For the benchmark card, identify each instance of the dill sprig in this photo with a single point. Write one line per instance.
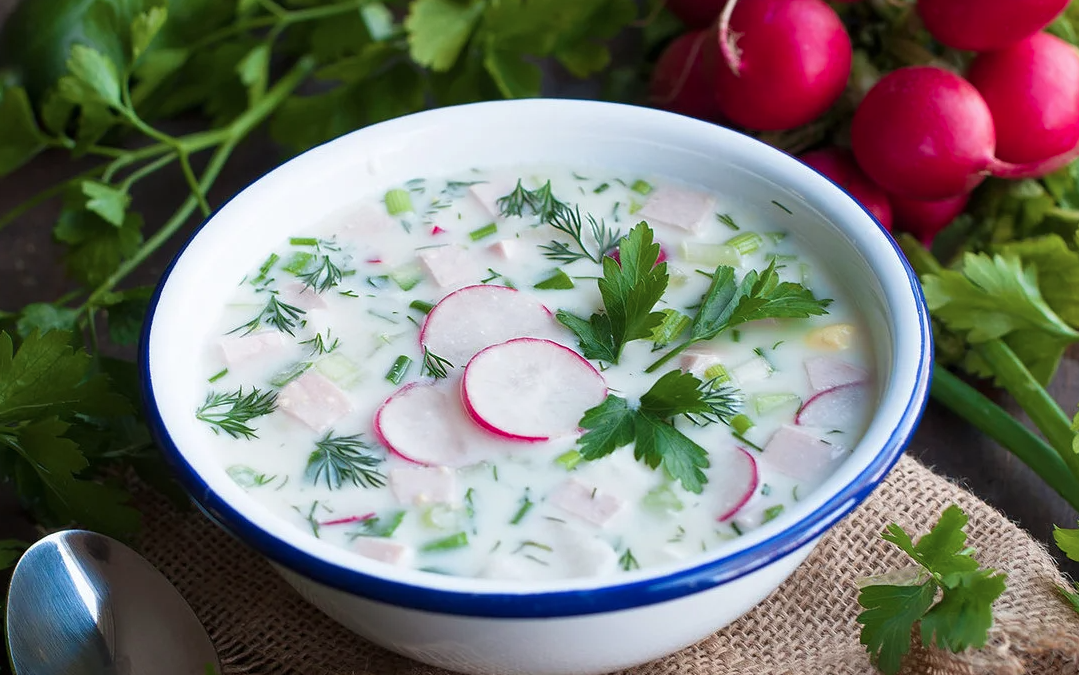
(723, 399)
(322, 345)
(338, 459)
(434, 365)
(276, 313)
(569, 221)
(540, 202)
(231, 411)
(323, 276)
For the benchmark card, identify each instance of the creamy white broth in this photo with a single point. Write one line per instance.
(505, 516)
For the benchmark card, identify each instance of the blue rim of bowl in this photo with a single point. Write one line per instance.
(546, 604)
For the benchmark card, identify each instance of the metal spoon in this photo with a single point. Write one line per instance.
(81, 603)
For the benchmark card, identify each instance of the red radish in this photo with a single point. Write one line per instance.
(741, 480)
(786, 62)
(835, 408)
(925, 219)
(984, 25)
(925, 133)
(529, 389)
(828, 372)
(696, 13)
(1032, 90)
(426, 424)
(682, 79)
(348, 520)
(839, 165)
(474, 317)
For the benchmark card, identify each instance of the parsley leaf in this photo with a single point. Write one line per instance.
(676, 393)
(611, 425)
(630, 290)
(439, 29)
(20, 138)
(1068, 541)
(960, 619)
(659, 443)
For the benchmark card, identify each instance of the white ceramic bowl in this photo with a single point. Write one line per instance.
(582, 625)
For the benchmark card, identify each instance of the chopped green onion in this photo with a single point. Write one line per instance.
(766, 403)
(264, 269)
(283, 378)
(736, 335)
(303, 241)
(569, 459)
(742, 439)
(601, 188)
(674, 322)
(421, 306)
(526, 506)
(459, 540)
(398, 201)
(780, 258)
(641, 187)
(379, 281)
(783, 207)
(399, 369)
(746, 243)
(741, 424)
(298, 262)
(559, 280)
(485, 231)
(718, 373)
(218, 375)
(710, 254)
(727, 220)
(772, 512)
(737, 530)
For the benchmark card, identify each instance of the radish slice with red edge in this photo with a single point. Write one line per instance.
(835, 408)
(741, 479)
(530, 389)
(474, 317)
(425, 424)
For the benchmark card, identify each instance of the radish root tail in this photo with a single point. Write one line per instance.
(728, 40)
(1002, 169)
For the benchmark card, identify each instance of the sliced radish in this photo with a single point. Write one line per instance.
(740, 478)
(530, 389)
(426, 424)
(474, 317)
(796, 452)
(826, 372)
(836, 408)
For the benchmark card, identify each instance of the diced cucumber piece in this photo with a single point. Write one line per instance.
(662, 500)
(399, 369)
(421, 306)
(746, 243)
(741, 424)
(298, 262)
(674, 322)
(340, 369)
(772, 512)
(303, 241)
(398, 201)
(284, 377)
(459, 540)
(558, 280)
(753, 370)
(766, 403)
(718, 373)
(407, 276)
(641, 187)
(710, 254)
(635, 206)
(379, 281)
(569, 459)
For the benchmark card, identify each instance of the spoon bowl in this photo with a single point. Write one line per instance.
(81, 603)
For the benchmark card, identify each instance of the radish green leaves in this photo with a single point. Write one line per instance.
(961, 618)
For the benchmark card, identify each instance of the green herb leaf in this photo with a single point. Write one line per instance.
(513, 75)
(144, 29)
(106, 201)
(659, 443)
(95, 246)
(20, 138)
(94, 78)
(1068, 541)
(889, 616)
(337, 459)
(439, 29)
(594, 335)
(231, 411)
(610, 425)
(254, 71)
(964, 615)
(44, 317)
(676, 393)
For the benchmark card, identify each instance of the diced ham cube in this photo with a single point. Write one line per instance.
(314, 400)
(424, 485)
(507, 248)
(797, 453)
(826, 372)
(587, 503)
(488, 194)
(302, 296)
(264, 345)
(698, 360)
(678, 207)
(450, 266)
(383, 550)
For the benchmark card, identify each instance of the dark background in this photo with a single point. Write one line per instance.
(30, 271)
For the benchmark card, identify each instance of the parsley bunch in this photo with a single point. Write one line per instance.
(945, 566)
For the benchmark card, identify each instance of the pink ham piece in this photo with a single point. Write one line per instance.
(795, 452)
(382, 550)
(488, 194)
(420, 485)
(450, 266)
(586, 503)
(263, 346)
(826, 372)
(696, 360)
(314, 400)
(677, 207)
(304, 297)
(507, 249)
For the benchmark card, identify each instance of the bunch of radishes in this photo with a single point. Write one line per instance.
(923, 137)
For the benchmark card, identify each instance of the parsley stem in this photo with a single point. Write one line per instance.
(1032, 398)
(668, 356)
(145, 170)
(995, 422)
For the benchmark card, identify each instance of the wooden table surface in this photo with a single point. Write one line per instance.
(30, 271)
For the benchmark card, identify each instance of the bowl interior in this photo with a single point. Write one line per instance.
(322, 182)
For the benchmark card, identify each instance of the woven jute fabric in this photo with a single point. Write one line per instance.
(806, 627)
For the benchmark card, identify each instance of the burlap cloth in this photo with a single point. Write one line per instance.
(807, 627)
